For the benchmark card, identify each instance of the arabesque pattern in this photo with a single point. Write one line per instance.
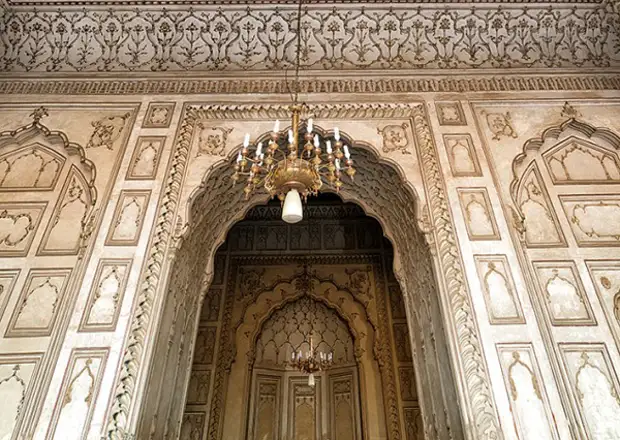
(347, 37)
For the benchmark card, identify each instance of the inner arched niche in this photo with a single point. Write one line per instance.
(385, 195)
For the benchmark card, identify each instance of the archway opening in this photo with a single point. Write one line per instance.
(384, 202)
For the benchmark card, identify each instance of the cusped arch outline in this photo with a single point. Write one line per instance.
(531, 148)
(53, 138)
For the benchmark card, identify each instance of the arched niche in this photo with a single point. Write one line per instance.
(385, 194)
(364, 332)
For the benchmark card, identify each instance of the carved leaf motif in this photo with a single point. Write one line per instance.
(148, 39)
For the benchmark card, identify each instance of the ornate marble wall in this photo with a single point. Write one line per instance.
(513, 197)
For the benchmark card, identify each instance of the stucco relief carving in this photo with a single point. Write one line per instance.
(565, 299)
(158, 115)
(68, 230)
(202, 86)
(540, 224)
(128, 218)
(414, 427)
(478, 213)
(106, 295)
(595, 220)
(16, 375)
(499, 290)
(462, 155)
(211, 140)
(74, 408)
(222, 214)
(18, 224)
(500, 125)
(107, 130)
(528, 398)
(145, 159)
(289, 330)
(594, 387)
(477, 383)
(450, 113)
(32, 167)
(193, 425)
(576, 160)
(408, 391)
(205, 346)
(395, 138)
(198, 388)
(38, 303)
(241, 39)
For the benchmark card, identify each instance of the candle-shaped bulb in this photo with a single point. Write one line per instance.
(311, 343)
(337, 163)
(276, 126)
(328, 145)
(239, 157)
(316, 141)
(346, 152)
(336, 133)
(310, 125)
(290, 136)
(246, 140)
(259, 149)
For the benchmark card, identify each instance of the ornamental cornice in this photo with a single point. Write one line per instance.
(181, 86)
(349, 36)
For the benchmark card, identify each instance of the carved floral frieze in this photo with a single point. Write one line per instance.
(347, 37)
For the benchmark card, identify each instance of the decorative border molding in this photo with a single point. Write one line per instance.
(473, 371)
(175, 86)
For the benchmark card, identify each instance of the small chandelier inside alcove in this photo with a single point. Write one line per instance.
(293, 167)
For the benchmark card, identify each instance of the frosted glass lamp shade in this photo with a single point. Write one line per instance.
(292, 211)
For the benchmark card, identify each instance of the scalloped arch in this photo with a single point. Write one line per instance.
(532, 147)
(54, 138)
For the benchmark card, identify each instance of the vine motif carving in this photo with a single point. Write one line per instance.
(470, 350)
(217, 39)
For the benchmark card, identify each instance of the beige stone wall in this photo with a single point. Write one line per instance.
(517, 194)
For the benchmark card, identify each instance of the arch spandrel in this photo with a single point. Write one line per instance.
(361, 119)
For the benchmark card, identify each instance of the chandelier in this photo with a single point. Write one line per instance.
(311, 362)
(294, 167)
